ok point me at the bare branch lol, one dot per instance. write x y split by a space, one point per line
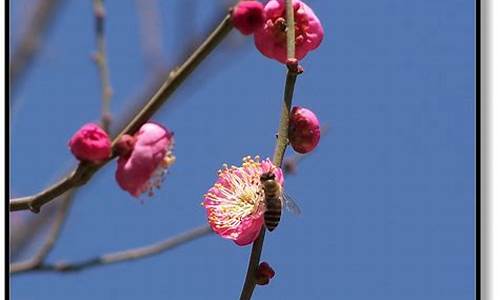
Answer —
279 151
85 171
150 33
30 41
52 237
102 63
124 255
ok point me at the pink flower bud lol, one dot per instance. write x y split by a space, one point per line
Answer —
248 16
271 38
142 169
90 143
304 130
125 145
264 273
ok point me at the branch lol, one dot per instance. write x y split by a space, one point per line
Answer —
279 151
160 72
30 41
85 171
125 255
52 237
102 64
178 75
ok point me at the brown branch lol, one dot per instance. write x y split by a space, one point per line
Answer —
279 151
30 41
178 75
102 63
51 239
85 171
124 255
158 74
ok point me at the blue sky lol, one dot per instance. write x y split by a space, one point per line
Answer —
387 199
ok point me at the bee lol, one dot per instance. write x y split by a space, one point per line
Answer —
274 200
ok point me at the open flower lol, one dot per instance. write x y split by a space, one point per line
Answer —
90 143
271 38
144 159
304 130
248 16
235 204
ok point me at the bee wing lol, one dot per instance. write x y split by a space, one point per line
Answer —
290 204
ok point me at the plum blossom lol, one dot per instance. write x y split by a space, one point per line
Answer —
144 159
248 16
304 130
235 203
271 38
90 143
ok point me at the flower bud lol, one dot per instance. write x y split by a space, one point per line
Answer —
248 16
125 145
271 38
304 130
90 143
264 274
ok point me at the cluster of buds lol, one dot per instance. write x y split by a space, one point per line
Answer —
268 25
143 158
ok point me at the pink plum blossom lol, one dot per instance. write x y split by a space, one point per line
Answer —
271 38
90 143
141 168
235 203
304 130
248 16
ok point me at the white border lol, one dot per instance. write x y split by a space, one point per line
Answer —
491 162
2 146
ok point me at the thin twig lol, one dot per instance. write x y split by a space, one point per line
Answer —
178 75
124 255
29 43
102 63
279 151
85 171
51 239
158 74
24 230
150 33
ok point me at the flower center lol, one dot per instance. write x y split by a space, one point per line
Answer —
158 175
240 195
278 27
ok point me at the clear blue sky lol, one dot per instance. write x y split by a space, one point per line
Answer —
388 198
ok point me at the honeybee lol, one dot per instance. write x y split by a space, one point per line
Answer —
274 200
